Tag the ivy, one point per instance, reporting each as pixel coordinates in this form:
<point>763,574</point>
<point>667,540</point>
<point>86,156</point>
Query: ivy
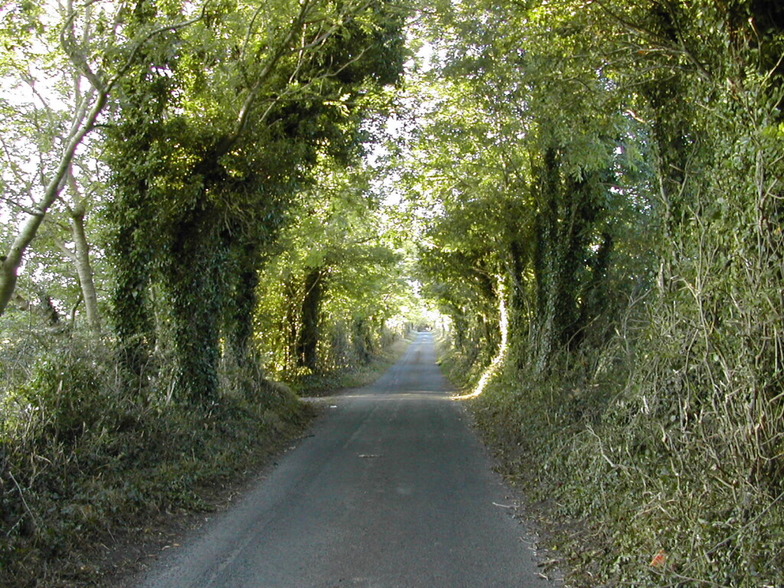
<point>219,154</point>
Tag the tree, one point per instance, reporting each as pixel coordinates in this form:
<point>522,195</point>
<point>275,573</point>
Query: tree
<point>329,293</point>
<point>220,153</point>
<point>647,264</point>
<point>531,156</point>
<point>91,48</point>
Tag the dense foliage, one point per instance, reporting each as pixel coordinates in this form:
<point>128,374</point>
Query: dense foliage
<point>605,184</point>
<point>167,167</point>
<point>207,161</point>
<point>192,207</point>
<point>319,305</point>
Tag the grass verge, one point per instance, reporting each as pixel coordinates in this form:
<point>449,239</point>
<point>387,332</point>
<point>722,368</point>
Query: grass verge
<point>632,491</point>
<point>85,473</point>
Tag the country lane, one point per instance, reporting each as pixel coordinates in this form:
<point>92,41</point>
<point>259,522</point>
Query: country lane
<point>392,490</point>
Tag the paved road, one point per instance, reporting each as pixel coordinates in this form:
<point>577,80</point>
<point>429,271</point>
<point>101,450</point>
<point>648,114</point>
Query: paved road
<point>393,490</point>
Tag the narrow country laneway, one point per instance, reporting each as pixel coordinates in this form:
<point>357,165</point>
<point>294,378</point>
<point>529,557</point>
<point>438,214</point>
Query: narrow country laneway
<point>391,490</point>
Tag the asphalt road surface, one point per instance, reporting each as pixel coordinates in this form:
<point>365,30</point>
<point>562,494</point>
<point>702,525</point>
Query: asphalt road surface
<point>392,490</point>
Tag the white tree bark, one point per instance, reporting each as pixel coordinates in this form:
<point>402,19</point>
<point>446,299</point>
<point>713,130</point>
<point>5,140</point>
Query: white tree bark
<point>83,123</point>
<point>82,257</point>
<point>89,108</point>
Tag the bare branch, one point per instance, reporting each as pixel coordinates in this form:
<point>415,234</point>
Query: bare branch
<point>15,204</point>
<point>12,165</point>
<point>84,120</point>
<point>283,49</point>
<point>70,46</point>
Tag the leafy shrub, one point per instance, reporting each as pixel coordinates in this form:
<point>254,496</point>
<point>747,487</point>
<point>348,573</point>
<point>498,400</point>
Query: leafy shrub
<point>662,472</point>
<point>78,459</point>
<point>65,396</point>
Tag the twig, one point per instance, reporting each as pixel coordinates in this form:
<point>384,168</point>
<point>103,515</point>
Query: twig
<point>747,525</point>
<point>24,502</point>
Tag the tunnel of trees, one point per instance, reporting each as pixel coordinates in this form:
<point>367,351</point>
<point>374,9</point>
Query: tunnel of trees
<point>204,201</point>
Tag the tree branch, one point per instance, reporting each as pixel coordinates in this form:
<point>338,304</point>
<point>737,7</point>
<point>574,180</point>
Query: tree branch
<point>87,112</point>
<point>659,44</point>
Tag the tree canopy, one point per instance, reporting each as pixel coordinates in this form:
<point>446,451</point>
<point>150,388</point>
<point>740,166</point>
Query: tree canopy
<point>601,178</point>
<point>226,193</point>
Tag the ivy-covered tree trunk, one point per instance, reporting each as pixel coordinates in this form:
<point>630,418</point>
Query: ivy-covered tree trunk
<point>548,253</point>
<point>241,303</point>
<point>195,289</point>
<point>584,208</point>
<point>569,209</point>
<point>363,340</point>
<point>674,143</point>
<point>291,323</point>
<point>460,330</point>
<point>673,148</point>
<point>519,305</point>
<point>596,292</point>
<point>308,336</point>
<point>131,308</point>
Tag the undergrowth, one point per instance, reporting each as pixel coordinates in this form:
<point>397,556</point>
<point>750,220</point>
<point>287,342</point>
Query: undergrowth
<point>647,476</point>
<point>79,461</point>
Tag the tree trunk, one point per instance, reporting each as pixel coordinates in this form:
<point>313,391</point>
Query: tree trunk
<point>238,322</point>
<point>362,341</point>
<point>47,309</point>
<point>83,123</point>
<point>568,212</point>
<point>85,271</point>
<point>195,295</point>
<point>131,308</point>
<point>82,257</point>
<point>307,344</point>
<point>519,307</point>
